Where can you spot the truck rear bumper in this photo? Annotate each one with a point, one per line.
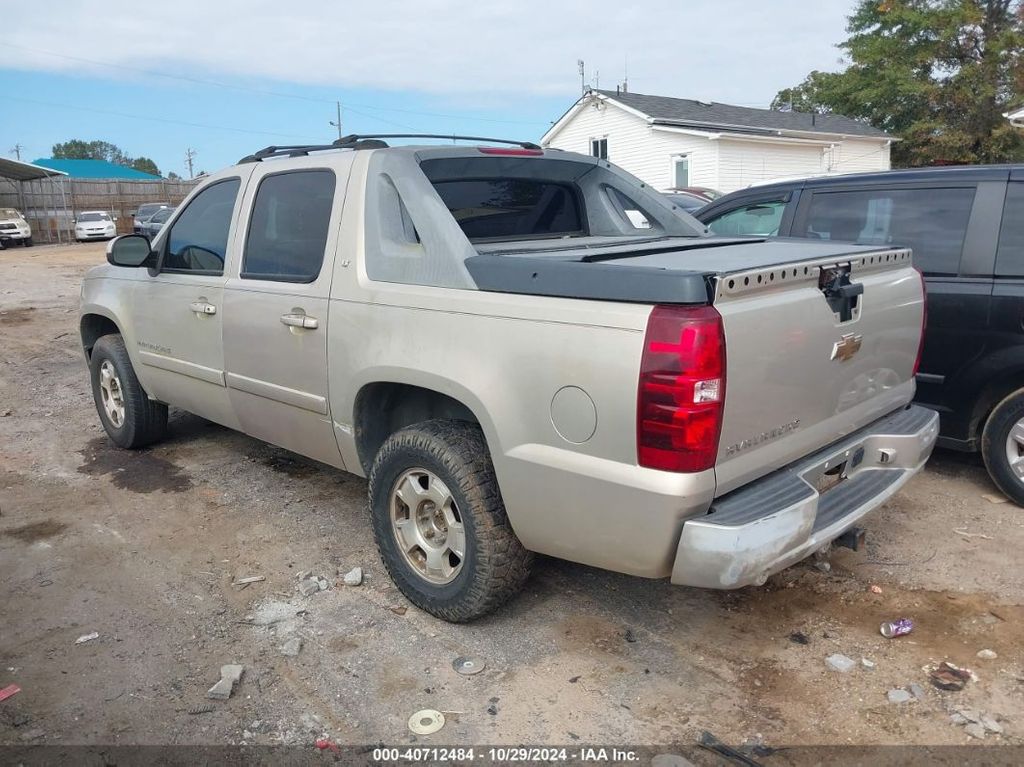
(778, 520)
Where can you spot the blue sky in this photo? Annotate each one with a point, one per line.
(159, 79)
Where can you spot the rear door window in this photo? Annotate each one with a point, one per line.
(510, 208)
(762, 218)
(288, 227)
(932, 222)
(1010, 254)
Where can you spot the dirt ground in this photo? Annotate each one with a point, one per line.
(143, 548)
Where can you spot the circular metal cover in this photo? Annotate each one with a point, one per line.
(426, 722)
(468, 666)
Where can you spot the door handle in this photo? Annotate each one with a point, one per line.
(296, 320)
(202, 307)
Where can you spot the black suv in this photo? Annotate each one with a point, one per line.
(966, 228)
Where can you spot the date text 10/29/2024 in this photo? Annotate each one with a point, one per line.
(504, 754)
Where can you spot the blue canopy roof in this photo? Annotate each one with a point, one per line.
(95, 169)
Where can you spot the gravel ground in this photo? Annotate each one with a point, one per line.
(144, 548)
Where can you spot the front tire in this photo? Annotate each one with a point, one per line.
(440, 524)
(1002, 446)
(27, 242)
(130, 418)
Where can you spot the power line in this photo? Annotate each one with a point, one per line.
(265, 92)
(156, 119)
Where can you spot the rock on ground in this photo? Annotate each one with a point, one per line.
(899, 696)
(841, 663)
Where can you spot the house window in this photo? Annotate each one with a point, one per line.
(599, 148)
(680, 171)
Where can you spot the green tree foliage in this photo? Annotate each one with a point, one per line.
(145, 165)
(938, 74)
(76, 149)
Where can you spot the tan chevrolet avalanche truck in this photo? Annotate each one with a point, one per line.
(525, 350)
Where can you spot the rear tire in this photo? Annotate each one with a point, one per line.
(444, 471)
(1002, 446)
(130, 418)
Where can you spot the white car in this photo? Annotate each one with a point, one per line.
(14, 229)
(95, 225)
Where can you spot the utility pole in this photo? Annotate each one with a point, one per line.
(338, 123)
(190, 155)
(16, 151)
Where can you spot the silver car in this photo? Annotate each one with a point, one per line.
(151, 226)
(517, 365)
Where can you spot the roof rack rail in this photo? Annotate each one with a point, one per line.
(301, 150)
(368, 141)
(353, 138)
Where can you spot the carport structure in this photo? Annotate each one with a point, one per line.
(49, 217)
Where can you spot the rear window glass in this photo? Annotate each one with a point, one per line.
(932, 222)
(1010, 256)
(512, 207)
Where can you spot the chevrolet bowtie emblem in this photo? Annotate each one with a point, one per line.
(846, 347)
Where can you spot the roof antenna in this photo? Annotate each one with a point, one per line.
(625, 74)
(583, 76)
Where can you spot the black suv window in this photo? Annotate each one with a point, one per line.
(1010, 255)
(755, 218)
(198, 240)
(931, 221)
(288, 227)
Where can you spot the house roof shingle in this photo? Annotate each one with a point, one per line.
(663, 109)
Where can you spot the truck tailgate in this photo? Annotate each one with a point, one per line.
(814, 351)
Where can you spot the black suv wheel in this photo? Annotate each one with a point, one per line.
(1002, 446)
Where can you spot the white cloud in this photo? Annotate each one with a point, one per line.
(726, 50)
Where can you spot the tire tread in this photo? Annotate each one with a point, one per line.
(502, 564)
(146, 420)
(993, 438)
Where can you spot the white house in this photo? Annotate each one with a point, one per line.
(674, 143)
(1016, 117)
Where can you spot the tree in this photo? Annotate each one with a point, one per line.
(805, 97)
(172, 176)
(938, 74)
(76, 149)
(145, 165)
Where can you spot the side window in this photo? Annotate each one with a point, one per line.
(756, 218)
(1010, 255)
(288, 227)
(599, 148)
(198, 239)
(932, 222)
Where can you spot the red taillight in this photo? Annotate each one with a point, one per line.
(511, 152)
(682, 389)
(924, 322)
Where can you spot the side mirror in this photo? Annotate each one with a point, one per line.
(128, 250)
